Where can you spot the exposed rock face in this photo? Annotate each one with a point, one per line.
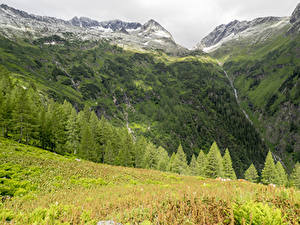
(256, 30)
(16, 23)
(295, 20)
(235, 30)
(296, 14)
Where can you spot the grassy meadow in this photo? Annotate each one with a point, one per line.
(40, 187)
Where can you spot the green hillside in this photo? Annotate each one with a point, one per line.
(266, 75)
(168, 100)
(40, 187)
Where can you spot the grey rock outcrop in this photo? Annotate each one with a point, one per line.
(15, 23)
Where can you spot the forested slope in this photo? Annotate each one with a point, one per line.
(166, 99)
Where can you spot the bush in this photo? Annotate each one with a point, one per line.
(257, 213)
(13, 180)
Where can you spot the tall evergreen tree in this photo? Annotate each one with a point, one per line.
(140, 151)
(73, 133)
(194, 167)
(163, 159)
(22, 113)
(251, 174)
(295, 176)
(282, 176)
(86, 147)
(171, 162)
(180, 163)
(227, 165)
(201, 163)
(150, 159)
(269, 174)
(109, 154)
(214, 164)
(126, 153)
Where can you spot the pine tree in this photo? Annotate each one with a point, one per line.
(194, 167)
(214, 165)
(23, 116)
(140, 152)
(96, 136)
(171, 162)
(150, 159)
(163, 159)
(227, 165)
(86, 147)
(73, 133)
(251, 174)
(282, 176)
(109, 155)
(126, 153)
(180, 163)
(201, 162)
(295, 176)
(269, 174)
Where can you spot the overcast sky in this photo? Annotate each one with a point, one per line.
(187, 20)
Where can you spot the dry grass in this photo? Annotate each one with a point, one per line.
(82, 192)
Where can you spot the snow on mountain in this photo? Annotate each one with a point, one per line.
(256, 30)
(15, 23)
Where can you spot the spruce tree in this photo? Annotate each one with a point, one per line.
(194, 167)
(201, 163)
(73, 133)
(86, 147)
(171, 162)
(295, 176)
(282, 176)
(180, 163)
(251, 174)
(109, 154)
(126, 153)
(227, 165)
(140, 151)
(214, 164)
(163, 159)
(269, 174)
(150, 159)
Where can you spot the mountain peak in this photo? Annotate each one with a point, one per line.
(296, 14)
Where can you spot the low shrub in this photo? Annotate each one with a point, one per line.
(257, 213)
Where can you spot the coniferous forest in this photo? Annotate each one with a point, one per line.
(27, 117)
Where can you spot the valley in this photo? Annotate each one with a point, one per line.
(114, 121)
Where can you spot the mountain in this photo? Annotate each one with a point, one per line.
(15, 23)
(169, 100)
(256, 30)
(261, 58)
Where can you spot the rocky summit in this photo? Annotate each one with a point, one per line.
(15, 23)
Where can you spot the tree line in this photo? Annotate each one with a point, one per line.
(28, 117)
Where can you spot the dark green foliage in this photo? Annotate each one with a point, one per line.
(201, 163)
(194, 167)
(282, 176)
(251, 174)
(179, 165)
(269, 174)
(295, 176)
(214, 163)
(227, 166)
(181, 101)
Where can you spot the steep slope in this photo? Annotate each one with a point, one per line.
(40, 187)
(151, 36)
(168, 100)
(252, 32)
(263, 61)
